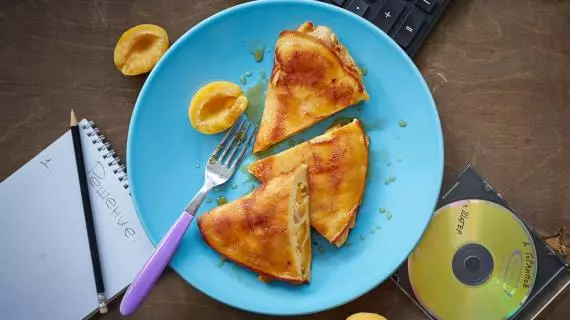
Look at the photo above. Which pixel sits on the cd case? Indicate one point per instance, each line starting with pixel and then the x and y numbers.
pixel 553 273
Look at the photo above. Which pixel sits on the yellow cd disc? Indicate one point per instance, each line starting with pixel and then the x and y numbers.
pixel 476 260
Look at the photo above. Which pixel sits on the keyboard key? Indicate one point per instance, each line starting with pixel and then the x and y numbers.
pixel 408 22
pixel 389 14
pixel 427 5
pixel 358 6
pixel 409 28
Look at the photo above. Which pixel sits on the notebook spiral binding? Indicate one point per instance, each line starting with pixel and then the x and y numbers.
pixel 108 153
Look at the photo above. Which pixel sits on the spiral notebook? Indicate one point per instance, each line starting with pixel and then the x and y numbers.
pixel 46 270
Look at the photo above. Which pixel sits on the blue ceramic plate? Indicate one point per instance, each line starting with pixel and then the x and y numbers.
pixel 166 156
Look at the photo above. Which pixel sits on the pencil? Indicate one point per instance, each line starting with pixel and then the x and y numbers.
pixel 102 302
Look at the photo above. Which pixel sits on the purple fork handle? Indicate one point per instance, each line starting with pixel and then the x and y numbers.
pixel 149 274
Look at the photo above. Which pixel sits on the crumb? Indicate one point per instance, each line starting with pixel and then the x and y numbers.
pixel 556 243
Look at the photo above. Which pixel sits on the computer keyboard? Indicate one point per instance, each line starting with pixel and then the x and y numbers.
pixel 408 22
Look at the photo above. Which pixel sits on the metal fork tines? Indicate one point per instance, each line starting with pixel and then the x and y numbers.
pixel 224 161
pixel 232 148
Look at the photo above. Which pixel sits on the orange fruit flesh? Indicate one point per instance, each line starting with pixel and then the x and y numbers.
pixel 216 106
pixel 139 49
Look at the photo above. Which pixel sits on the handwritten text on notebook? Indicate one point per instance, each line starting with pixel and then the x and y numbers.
pixel 50 275
pixel 95 177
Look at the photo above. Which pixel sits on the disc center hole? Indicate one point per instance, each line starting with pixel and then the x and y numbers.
pixel 472 264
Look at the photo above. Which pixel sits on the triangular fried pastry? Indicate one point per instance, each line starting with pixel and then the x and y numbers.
pixel 313 77
pixel 338 164
pixel 268 230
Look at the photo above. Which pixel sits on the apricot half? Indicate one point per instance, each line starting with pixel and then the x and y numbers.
pixel 216 106
pixel 365 316
pixel 139 49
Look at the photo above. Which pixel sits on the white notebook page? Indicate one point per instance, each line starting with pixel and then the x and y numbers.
pixel 46 267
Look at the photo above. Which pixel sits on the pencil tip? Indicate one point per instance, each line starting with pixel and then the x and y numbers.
pixel 73 121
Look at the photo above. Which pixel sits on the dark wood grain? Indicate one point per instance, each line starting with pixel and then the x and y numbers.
pixel 499 71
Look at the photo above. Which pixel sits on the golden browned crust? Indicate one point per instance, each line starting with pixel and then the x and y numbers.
pixel 313 77
pixel 342 235
pixel 309 58
pixel 262 276
pixel 338 165
pixel 340 239
pixel 255 231
pixel 329 39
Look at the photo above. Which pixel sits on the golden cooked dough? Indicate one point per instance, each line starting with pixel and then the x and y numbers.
pixel 313 77
pixel 338 163
pixel 268 230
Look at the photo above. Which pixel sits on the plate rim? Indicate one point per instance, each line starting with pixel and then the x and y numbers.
pixel 245 6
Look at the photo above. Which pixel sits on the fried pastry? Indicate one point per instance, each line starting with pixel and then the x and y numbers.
pixel 338 164
pixel 268 230
pixel 313 77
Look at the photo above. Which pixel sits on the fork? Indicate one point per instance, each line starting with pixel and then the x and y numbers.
pixel 220 167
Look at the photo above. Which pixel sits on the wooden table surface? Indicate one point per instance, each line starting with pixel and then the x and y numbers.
pixel 499 71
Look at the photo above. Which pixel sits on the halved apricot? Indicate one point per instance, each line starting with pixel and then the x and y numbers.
pixel 216 106
pixel 139 49
pixel 365 316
